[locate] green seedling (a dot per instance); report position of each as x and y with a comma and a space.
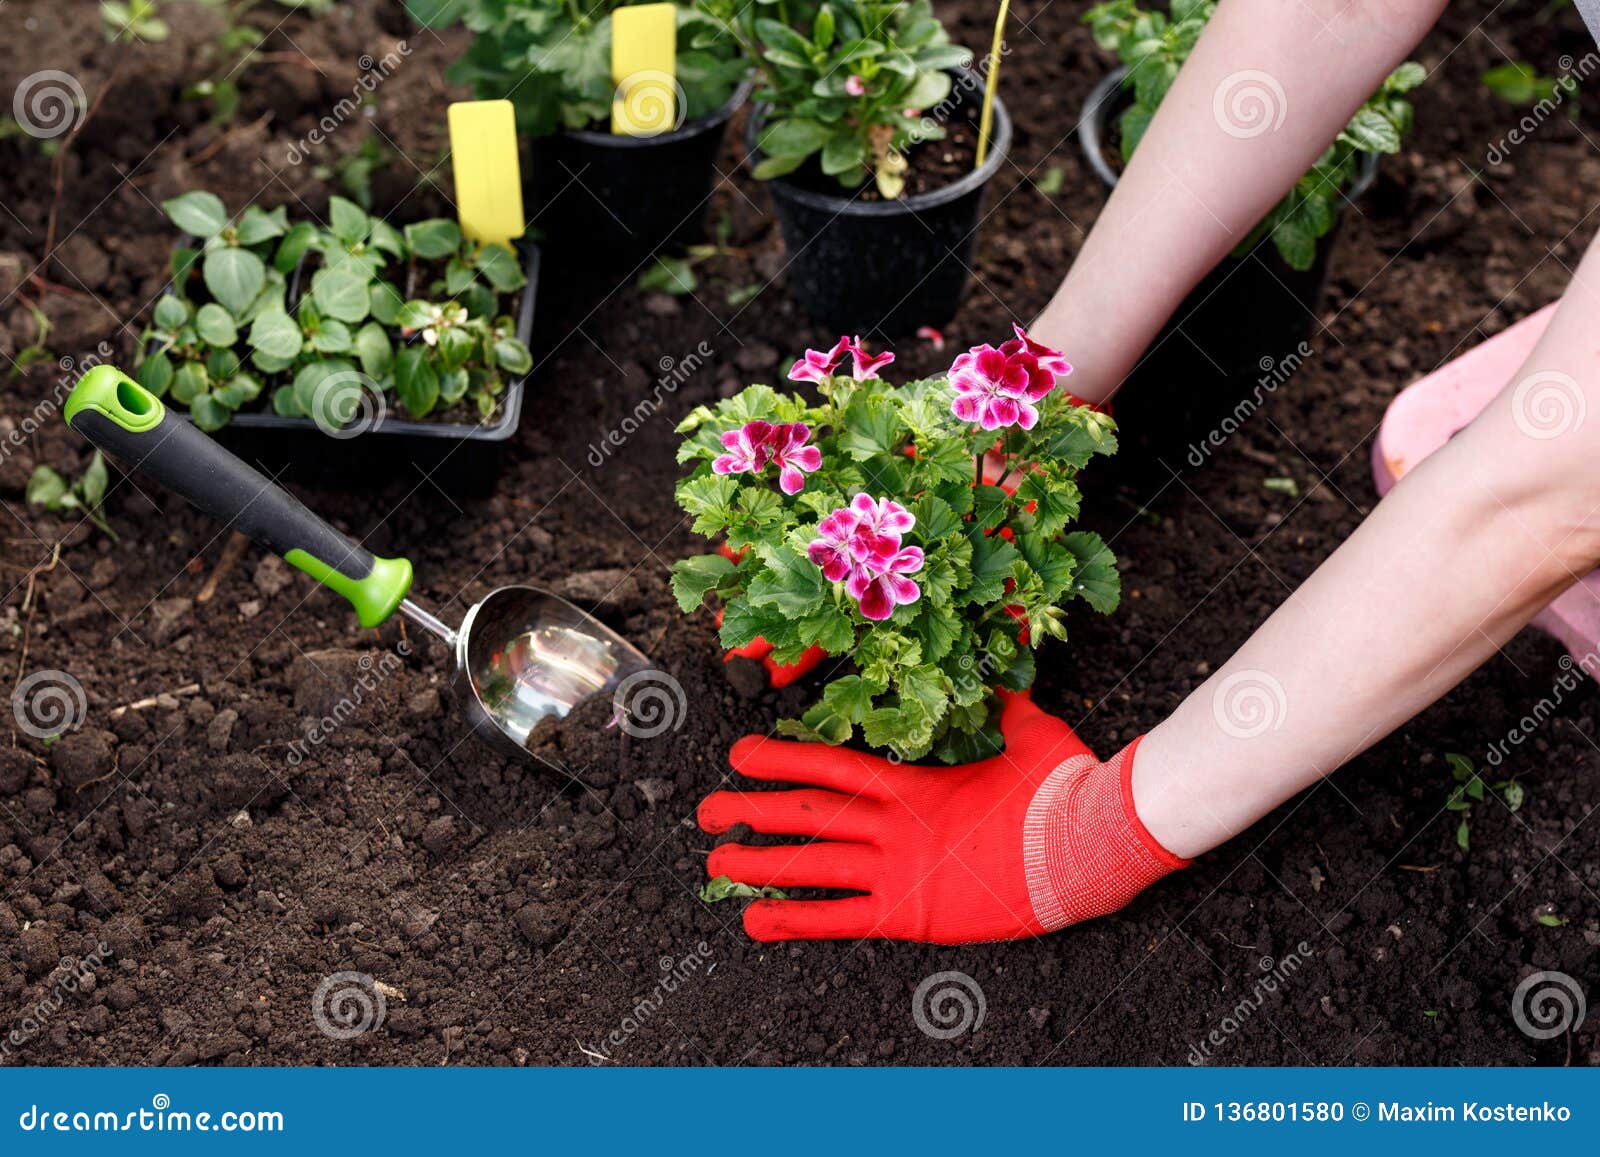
722, 888
215, 339
847, 82
552, 58
1470, 789
47, 488
134, 20
1154, 45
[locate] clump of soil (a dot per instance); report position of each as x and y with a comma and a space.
222, 853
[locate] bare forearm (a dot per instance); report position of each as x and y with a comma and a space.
1194, 189
1465, 550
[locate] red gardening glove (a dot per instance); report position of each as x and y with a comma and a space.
1031, 840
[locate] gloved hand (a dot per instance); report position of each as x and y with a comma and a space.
1028, 841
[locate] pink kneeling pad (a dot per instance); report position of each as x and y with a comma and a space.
1428, 413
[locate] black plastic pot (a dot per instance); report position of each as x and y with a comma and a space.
607, 202
460, 457
887, 267
1238, 337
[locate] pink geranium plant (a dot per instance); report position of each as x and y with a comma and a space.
858, 521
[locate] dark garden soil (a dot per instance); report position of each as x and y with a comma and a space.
522, 916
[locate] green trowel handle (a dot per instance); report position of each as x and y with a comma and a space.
126, 420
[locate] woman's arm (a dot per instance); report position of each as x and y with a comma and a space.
1461, 554
1193, 190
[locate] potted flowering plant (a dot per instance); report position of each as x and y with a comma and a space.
1251, 317
919, 534
609, 198
867, 130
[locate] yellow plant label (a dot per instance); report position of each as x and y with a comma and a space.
644, 63
483, 156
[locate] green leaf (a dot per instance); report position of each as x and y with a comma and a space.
256, 225
293, 246
275, 334
500, 266
693, 578
347, 221
1295, 244
1463, 839
1096, 580
722, 888
1373, 132
215, 325
95, 481
198, 214
331, 337
170, 313
374, 351
844, 151
433, 239
992, 558
415, 382
674, 275
234, 277
285, 404
872, 427
794, 137
512, 356
790, 582
1513, 794
189, 383
155, 374
342, 291
208, 413
46, 488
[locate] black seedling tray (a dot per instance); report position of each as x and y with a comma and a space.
460, 457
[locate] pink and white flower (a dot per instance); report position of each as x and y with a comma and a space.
860, 544
992, 389
817, 366
882, 516
879, 593
864, 365
747, 448
787, 446
1052, 361
1001, 387
855, 86
756, 444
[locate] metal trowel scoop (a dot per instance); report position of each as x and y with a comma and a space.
523, 654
